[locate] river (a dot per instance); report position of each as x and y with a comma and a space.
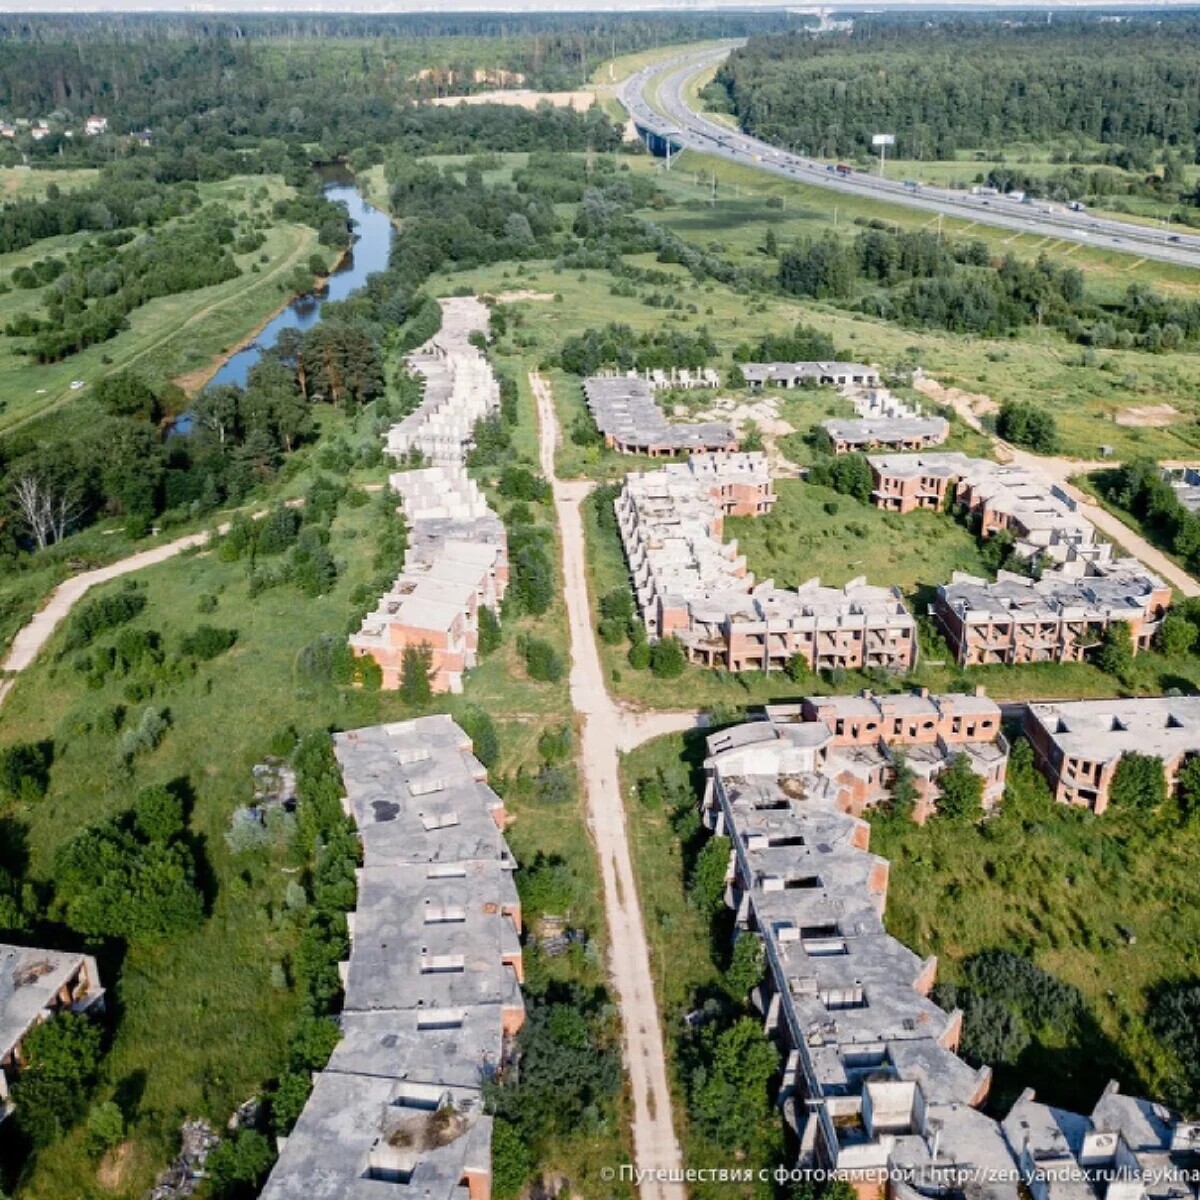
368, 253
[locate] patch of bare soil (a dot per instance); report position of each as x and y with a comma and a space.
969, 405
524, 98
113, 1171
523, 294
1148, 416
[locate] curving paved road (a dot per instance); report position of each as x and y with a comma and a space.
695, 131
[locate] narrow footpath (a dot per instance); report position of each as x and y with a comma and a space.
607, 730
32, 637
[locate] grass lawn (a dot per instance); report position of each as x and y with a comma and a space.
30, 183
179, 336
812, 531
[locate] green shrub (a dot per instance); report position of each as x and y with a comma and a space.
542, 661
96, 616
667, 658
61, 1059
25, 770
206, 642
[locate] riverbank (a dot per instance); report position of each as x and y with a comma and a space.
193, 382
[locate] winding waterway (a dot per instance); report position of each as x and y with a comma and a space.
368, 253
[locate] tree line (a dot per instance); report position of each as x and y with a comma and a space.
953, 84
921, 280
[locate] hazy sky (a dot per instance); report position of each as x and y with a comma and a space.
400, 6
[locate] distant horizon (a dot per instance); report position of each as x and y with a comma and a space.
414, 7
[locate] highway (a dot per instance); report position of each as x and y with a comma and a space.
694, 131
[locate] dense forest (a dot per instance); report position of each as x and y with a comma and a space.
944, 86
339, 82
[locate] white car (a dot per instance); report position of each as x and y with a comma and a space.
76, 384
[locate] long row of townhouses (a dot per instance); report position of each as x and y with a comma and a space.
692, 584
689, 582
1082, 590
432, 983
873, 1088
457, 556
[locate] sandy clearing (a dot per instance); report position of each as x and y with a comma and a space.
523, 98
1148, 415
969, 405
523, 294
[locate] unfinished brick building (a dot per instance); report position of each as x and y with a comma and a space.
691, 584
872, 1087
1078, 745
457, 555
1058, 618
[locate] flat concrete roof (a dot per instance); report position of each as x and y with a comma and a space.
459, 1047
418, 795
30, 980
341, 1147
1104, 730
624, 410
433, 942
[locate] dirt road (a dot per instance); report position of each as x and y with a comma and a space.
1059, 470
607, 729
30, 640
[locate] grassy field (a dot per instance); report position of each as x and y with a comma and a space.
812, 531
1108, 904
27, 183
739, 220
1088, 390
173, 336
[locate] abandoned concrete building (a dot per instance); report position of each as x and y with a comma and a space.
684, 378
1186, 482
1078, 744
36, 985
630, 420
859, 434
811, 374
873, 1088
456, 562
1043, 520
1057, 618
432, 984
457, 555
691, 584
867, 730
883, 420
459, 389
